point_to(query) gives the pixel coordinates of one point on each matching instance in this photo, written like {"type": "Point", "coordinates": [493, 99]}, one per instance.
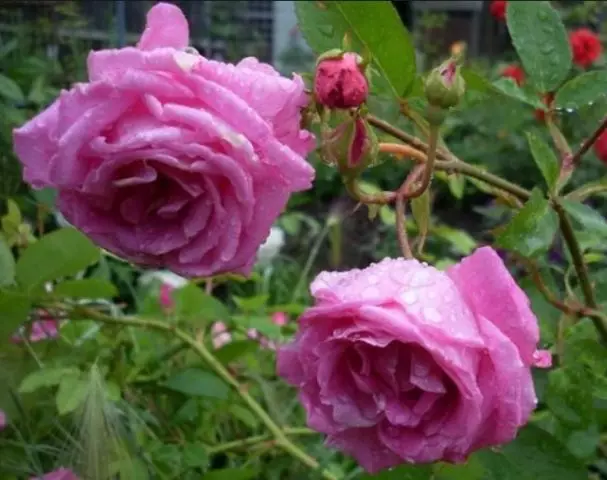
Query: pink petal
{"type": "Point", "coordinates": [542, 359]}
{"type": "Point", "coordinates": [166, 26]}
{"type": "Point", "coordinates": [491, 292]}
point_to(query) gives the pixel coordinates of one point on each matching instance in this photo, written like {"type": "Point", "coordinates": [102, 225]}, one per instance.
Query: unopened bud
{"type": "Point", "coordinates": [445, 86]}
{"type": "Point", "coordinates": [352, 147]}
{"type": "Point", "coordinates": [340, 80]}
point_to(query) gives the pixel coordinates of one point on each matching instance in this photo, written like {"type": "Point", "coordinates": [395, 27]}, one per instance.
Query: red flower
{"type": "Point", "coordinates": [586, 46]}
{"type": "Point", "coordinates": [498, 9]}
{"type": "Point", "coordinates": [515, 72]}
{"type": "Point", "coordinates": [600, 147]}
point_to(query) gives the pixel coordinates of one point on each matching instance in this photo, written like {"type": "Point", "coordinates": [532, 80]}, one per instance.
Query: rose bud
{"type": "Point", "coordinates": [600, 147]}
{"type": "Point", "coordinates": [445, 86]}
{"type": "Point", "coordinates": [340, 80]}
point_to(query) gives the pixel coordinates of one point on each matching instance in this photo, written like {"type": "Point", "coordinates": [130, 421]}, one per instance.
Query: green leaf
{"type": "Point", "coordinates": [232, 474]}
{"type": "Point", "coordinates": [59, 254]}
{"type": "Point", "coordinates": [533, 455]}
{"type": "Point", "coordinates": [244, 415]}
{"type": "Point", "coordinates": [195, 306]}
{"type": "Point", "coordinates": [590, 219]}
{"type": "Point", "coordinates": [14, 310]}
{"type": "Point", "coordinates": [46, 377]}
{"type": "Point", "coordinates": [10, 90]}
{"type": "Point", "coordinates": [7, 264]}
{"type": "Point", "coordinates": [532, 229]}
{"type": "Point", "coordinates": [582, 90]}
{"type": "Point", "coordinates": [541, 41]}
{"type": "Point", "coordinates": [90, 288]}
{"type": "Point", "coordinates": [324, 24]}
{"type": "Point", "coordinates": [475, 81]}
{"type": "Point", "coordinates": [235, 350]}
{"type": "Point", "coordinates": [471, 470]}
{"type": "Point", "coordinates": [71, 394]}
{"type": "Point", "coordinates": [406, 472]}
{"type": "Point", "coordinates": [509, 88]}
{"type": "Point", "coordinates": [420, 208]}
{"type": "Point", "coordinates": [596, 187]}
{"type": "Point", "coordinates": [567, 400]}
{"type": "Point", "coordinates": [545, 159]}
{"type": "Point", "coordinates": [198, 383]}
{"type": "Point", "coordinates": [460, 240]}
{"type": "Point", "coordinates": [195, 455]}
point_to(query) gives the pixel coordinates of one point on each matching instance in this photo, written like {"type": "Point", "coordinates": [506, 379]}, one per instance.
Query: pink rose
{"type": "Point", "coordinates": [340, 81]}
{"type": "Point", "coordinates": [60, 474]}
{"type": "Point", "coordinates": [400, 362]}
{"type": "Point", "coordinates": [169, 159]}
{"type": "Point", "coordinates": [40, 329]}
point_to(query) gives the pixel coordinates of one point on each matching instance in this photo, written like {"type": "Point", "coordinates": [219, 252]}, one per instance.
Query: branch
{"type": "Point", "coordinates": [589, 142]}
{"type": "Point", "coordinates": [200, 349]}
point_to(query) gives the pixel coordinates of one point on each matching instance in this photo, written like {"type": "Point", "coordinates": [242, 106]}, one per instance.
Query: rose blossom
{"type": "Point", "coordinates": [515, 72]}
{"type": "Point", "coordinates": [40, 329]}
{"type": "Point", "coordinates": [600, 147]}
{"type": "Point", "coordinates": [400, 362]}
{"type": "Point", "coordinates": [59, 474]}
{"type": "Point", "coordinates": [586, 47]}
{"type": "Point", "coordinates": [498, 9]}
{"type": "Point", "coordinates": [340, 82]}
{"type": "Point", "coordinates": [169, 159]}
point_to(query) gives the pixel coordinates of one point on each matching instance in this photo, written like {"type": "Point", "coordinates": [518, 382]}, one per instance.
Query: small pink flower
{"type": "Point", "coordinates": [60, 474]}
{"type": "Point", "coordinates": [167, 158]}
{"type": "Point", "coordinates": [401, 362]}
{"type": "Point", "coordinates": [220, 335]}
{"type": "Point", "coordinates": [542, 359]}
{"type": "Point", "coordinates": [3, 420]}
{"type": "Point", "coordinates": [340, 82]}
{"type": "Point", "coordinates": [166, 296]}
{"type": "Point", "coordinates": [280, 318]}
{"type": "Point", "coordinates": [40, 329]}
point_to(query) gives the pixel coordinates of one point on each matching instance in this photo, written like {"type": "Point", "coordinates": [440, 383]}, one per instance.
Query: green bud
{"type": "Point", "coordinates": [333, 54]}
{"type": "Point", "coordinates": [351, 147]}
{"type": "Point", "coordinates": [445, 86]}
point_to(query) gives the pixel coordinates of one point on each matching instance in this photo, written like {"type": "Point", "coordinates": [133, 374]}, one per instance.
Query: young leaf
{"type": "Point", "coordinates": [86, 288]}
{"type": "Point", "coordinates": [72, 393]}
{"type": "Point", "coordinates": [198, 383]}
{"type": "Point", "coordinates": [46, 377]}
{"type": "Point", "coordinates": [420, 207]}
{"type": "Point", "coordinates": [324, 24]}
{"type": "Point", "coordinates": [235, 350]}
{"type": "Point", "coordinates": [532, 229]}
{"type": "Point", "coordinates": [195, 306]}
{"type": "Point", "coordinates": [7, 264]}
{"type": "Point", "coordinates": [62, 253]}
{"type": "Point", "coordinates": [545, 159]}
{"type": "Point", "coordinates": [582, 90]}
{"type": "Point", "coordinates": [541, 41]}
{"type": "Point", "coordinates": [508, 87]}
{"type": "Point", "coordinates": [533, 455]}
{"type": "Point", "coordinates": [590, 219]}
{"type": "Point", "coordinates": [10, 90]}
{"type": "Point", "coordinates": [14, 309]}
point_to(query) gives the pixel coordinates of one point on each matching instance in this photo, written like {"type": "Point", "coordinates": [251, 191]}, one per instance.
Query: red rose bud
{"type": "Point", "coordinates": [586, 47]}
{"type": "Point", "coordinates": [600, 147]}
{"type": "Point", "coordinates": [515, 72]}
{"type": "Point", "coordinates": [340, 80]}
{"type": "Point", "coordinates": [351, 147]}
{"type": "Point", "coordinates": [445, 86]}
{"type": "Point", "coordinates": [498, 9]}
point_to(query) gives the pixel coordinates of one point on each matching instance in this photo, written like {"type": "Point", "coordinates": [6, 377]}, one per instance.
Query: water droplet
{"type": "Point", "coordinates": [431, 314]}
{"type": "Point", "coordinates": [547, 48]}
{"type": "Point", "coordinates": [542, 15]}
{"type": "Point", "coordinates": [409, 297]}
{"type": "Point", "coordinates": [326, 30]}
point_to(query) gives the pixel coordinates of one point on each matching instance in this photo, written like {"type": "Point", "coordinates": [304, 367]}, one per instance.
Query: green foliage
{"type": "Point", "coordinates": [545, 160]}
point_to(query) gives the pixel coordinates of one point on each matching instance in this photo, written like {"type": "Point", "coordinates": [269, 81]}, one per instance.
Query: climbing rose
{"type": "Point", "coordinates": [586, 47]}
{"type": "Point", "coordinates": [515, 72]}
{"type": "Point", "coordinates": [600, 147]}
{"type": "Point", "coordinates": [498, 9]}
{"type": "Point", "coordinates": [60, 474]}
{"type": "Point", "coordinates": [340, 82]}
{"type": "Point", "coordinates": [400, 362]}
{"type": "Point", "coordinates": [169, 159]}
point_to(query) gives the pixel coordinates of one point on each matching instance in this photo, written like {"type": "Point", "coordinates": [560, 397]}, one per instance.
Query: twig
{"type": "Point", "coordinates": [589, 142]}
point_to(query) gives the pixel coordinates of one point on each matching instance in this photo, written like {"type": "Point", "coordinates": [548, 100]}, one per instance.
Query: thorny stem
{"type": "Point", "coordinates": [280, 438]}
{"type": "Point", "coordinates": [428, 171]}
{"type": "Point", "coordinates": [401, 228]}
{"type": "Point", "coordinates": [257, 439]}
{"type": "Point", "coordinates": [581, 268]}
{"type": "Point", "coordinates": [400, 150]}
{"type": "Point", "coordinates": [589, 142]}
{"type": "Point", "coordinates": [382, 198]}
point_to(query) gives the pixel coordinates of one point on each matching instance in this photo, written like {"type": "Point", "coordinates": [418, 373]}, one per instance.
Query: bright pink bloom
{"type": "Point", "coordinates": [169, 159]}
{"type": "Point", "coordinates": [166, 296]}
{"type": "Point", "coordinates": [400, 362]}
{"type": "Point", "coordinates": [586, 47]}
{"type": "Point", "coordinates": [60, 474]}
{"type": "Point", "coordinates": [280, 318]}
{"type": "Point", "coordinates": [340, 82]}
